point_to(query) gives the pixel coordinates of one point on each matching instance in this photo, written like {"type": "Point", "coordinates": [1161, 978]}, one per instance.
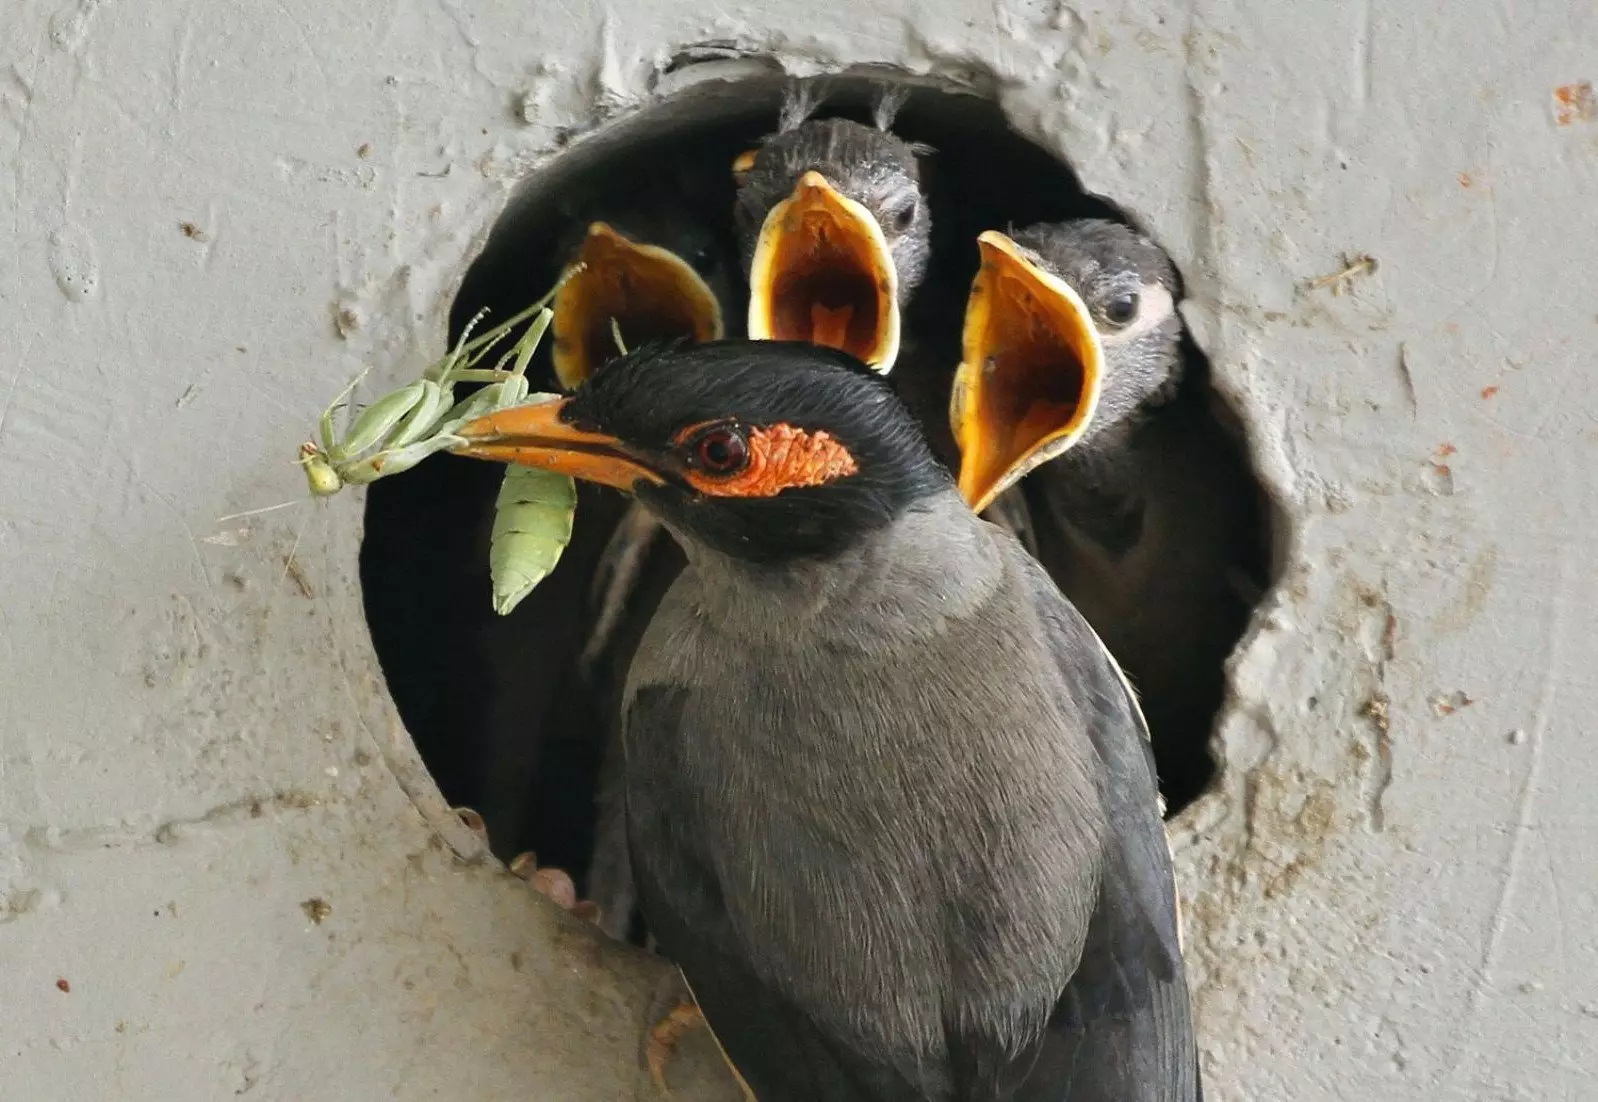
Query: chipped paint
{"type": "Point", "coordinates": [1575, 103]}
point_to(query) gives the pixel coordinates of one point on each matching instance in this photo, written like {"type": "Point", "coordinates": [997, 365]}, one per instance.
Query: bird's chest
{"type": "Point", "coordinates": [846, 750]}
{"type": "Point", "coordinates": [855, 818]}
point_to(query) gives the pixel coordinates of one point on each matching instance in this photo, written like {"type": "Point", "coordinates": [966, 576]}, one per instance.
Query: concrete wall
{"type": "Point", "coordinates": [223, 872]}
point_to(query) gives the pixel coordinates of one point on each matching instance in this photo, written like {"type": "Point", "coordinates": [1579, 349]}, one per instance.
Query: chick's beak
{"type": "Point", "coordinates": [535, 436]}
{"type": "Point", "coordinates": [648, 292]}
{"type": "Point", "coordinates": [1030, 372]}
{"type": "Point", "coordinates": [822, 273]}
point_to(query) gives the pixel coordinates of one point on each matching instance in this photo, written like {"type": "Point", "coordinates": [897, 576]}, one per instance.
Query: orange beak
{"type": "Point", "coordinates": [535, 436]}
{"type": "Point", "coordinates": [1030, 372]}
{"type": "Point", "coordinates": [822, 273]}
{"type": "Point", "coordinates": [647, 291]}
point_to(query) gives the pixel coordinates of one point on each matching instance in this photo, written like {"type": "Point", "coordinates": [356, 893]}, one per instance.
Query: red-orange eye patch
{"type": "Point", "coordinates": [780, 457]}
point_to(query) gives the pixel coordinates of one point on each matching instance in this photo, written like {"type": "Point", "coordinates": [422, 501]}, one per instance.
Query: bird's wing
{"type": "Point", "coordinates": [780, 1052]}
{"type": "Point", "coordinates": [1123, 1028]}
{"type": "Point", "coordinates": [636, 569]}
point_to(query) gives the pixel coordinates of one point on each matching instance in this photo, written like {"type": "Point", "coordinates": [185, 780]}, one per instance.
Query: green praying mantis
{"type": "Point", "coordinates": [534, 512]}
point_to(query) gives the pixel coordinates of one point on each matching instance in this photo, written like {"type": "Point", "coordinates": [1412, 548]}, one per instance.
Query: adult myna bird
{"type": "Point", "coordinates": [890, 803]}
{"type": "Point", "coordinates": [1134, 510]}
{"type": "Point", "coordinates": [835, 237]}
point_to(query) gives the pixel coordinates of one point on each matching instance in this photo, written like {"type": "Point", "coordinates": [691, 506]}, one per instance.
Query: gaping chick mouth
{"type": "Point", "coordinates": [822, 273]}
{"type": "Point", "coordinates": [1030, 372]}
{"type": "Point", "coordinates": [648, 292]}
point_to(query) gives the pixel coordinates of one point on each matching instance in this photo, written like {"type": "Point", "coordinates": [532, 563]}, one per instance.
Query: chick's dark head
{"type": "Point", "coordinates": [872, 167]}
{"type": "Point", "coordinates": [835, 231]}
{"type": "Point", "coordinates": [766, 451]}
{"type": "Point", "coordinates": [1070, 330]}
{"type": "Point", "coordinates": [1130, 288]}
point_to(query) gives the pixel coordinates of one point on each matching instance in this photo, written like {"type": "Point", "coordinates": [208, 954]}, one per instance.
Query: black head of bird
{"type": "Point", "coordinates": [660, 278]}
{"type": "Point", "coordinates": [835, 231]}
{"type": "Point", "coordinates": [1070, 329]}
{"type": "Point", "coordinates": [766, 451]}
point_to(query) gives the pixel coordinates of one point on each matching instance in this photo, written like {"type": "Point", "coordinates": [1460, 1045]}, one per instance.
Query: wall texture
{"type": "Point", "coordinates": [222, 871]}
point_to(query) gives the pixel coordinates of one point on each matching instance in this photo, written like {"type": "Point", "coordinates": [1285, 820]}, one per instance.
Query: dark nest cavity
{"type": "Point", "coordinates": [499, 707]}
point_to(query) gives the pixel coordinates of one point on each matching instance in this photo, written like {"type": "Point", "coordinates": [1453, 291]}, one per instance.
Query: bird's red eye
{"type": "Point", "coordinates": [721, 451]}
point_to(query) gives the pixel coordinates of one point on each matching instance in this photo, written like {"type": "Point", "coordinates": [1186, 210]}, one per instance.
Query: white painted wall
{"type": "Point", "coordinates": [1385, 901]}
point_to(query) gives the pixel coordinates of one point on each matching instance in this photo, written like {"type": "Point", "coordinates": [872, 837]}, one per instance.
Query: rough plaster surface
{"type": "Point", "coordinates": [219, 211]}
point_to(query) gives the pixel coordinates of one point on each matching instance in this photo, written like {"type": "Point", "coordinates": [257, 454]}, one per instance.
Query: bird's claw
{"type": "Point", "coordinates": [555, 885]}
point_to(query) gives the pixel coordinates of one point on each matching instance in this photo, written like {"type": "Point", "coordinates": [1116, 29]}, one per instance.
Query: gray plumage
{"type": "Point", "coordinates": [636, 568]}
{"type": "Point", "coordinates": [892, 797]}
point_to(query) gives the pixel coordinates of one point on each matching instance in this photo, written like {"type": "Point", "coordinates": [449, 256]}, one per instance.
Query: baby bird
{"type": "Point", "coordinates": [1131, 502]}
{"type": "Point", "coordinates": [834, 229]}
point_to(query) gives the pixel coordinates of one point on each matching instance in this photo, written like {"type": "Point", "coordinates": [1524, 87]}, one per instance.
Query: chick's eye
{"type": "Point", "coordinates": [901, 218]}
{"type": "Point", "coordinates": [1121, 309]}
{"type": "Point", "coordinates": [721, 451]}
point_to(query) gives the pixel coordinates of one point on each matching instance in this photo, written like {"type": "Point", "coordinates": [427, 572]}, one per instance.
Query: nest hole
{"type": "Point", "coordinates": [500, 708]}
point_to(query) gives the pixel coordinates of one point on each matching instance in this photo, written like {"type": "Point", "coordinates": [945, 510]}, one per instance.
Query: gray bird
{"type": "Point", "coordinates": [834, 230]}
{"type": "Point", "coordinates": [1131, 504]}
{"type": "Point", "coordinates": [1051, 304]}
{"type": "Point", "coordinates": [835, 236]}
{"type": "Point", "coordinates": [890, 803]}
